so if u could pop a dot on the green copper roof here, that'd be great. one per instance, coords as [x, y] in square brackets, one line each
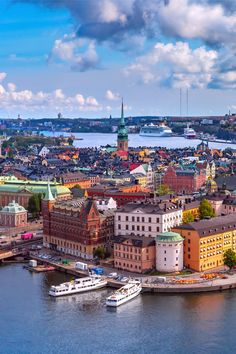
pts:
[169, 237]
[122, 130]
[48, 194]
[13, 207]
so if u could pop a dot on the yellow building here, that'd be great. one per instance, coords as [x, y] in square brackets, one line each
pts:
[205, 241]
[191, 210]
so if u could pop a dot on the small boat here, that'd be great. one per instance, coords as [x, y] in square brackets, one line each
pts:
[124, 294]
[79, 285]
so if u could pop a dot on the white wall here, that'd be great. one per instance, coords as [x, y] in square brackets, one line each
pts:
[169, 256]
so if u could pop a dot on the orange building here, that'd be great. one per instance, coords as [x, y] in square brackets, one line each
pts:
[71, 179]
[135, 254]
[205, 241]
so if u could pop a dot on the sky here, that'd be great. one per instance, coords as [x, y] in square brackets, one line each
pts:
[79, 57]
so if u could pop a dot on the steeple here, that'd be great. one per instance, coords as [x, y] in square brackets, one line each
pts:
[122, 138]
[48, 195]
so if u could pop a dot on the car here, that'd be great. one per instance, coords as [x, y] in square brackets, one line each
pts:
[112, 275]
[123, 279]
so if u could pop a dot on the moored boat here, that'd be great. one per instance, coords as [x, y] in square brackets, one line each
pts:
[93, 282]
[124, 294]
[155, 130]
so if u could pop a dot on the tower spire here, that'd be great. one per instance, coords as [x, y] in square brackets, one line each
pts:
[122, 119]
[48, 195]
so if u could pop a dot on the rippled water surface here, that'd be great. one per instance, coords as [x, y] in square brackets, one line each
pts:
[32, 322]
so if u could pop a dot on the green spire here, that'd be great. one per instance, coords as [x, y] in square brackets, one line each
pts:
[48, 195]
[122, 131]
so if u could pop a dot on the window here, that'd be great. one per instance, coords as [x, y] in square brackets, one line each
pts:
[143, 228]
[137, 227]
[119, 226]
[157, 220]
[149, 228]
[138, 219]
[189, 240]
[132, 218]
[158, 229]
[119, 218]
[127, 218]
[133, 228]
[143, 220]
[165, 252]
[165, 259]
[127, 227]
[149, 219]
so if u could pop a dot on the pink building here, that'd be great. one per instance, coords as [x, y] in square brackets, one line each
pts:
[13, 215]
[135, 254]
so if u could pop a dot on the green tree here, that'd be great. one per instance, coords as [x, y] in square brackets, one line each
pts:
[206, 210]
[188, 218]
[34, 204]
[70, 141]
[100, 252]
[163, 189]
[229, 258]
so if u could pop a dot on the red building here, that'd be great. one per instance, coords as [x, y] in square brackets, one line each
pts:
[184, 181]
[76, 226]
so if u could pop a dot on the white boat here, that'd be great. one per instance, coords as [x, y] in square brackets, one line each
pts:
[79, 285]
[189, 133]
[155, 130]
[124, 294]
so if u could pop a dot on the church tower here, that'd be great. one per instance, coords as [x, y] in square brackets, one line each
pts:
[47, 205]
[122, 137]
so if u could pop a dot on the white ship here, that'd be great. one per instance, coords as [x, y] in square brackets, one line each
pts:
[189, 133]
[124, 294]
[79, 285]
[155, 130]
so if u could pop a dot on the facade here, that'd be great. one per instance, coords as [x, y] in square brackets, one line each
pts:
[13, 215]
[122, 136]
[106, 204]
[184, 181]
[76, 178]
[12, 188]
[205, 241]
[169, 252]
[134, 254]
[146, 218]
[76, 227]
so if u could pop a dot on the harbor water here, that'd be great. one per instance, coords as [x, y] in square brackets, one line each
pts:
[32, 322]
[135, 140]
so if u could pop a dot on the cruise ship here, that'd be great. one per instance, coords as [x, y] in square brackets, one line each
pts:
[189, 133]
[155, 130]
[79, 285]
[124, 294]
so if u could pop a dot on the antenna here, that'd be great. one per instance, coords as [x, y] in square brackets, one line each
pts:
[187, 100]
[180, 102]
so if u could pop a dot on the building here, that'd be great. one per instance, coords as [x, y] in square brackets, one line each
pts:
[76, 226]
[146, 218]
[13, 215]
[12, 188]
[72, 179]
[184, 181]
[205, 241]
[122, 136]
[169, 252]
[134, 254]
[106, 204]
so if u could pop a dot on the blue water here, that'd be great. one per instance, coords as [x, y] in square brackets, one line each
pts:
[98, 139]
[31, 322]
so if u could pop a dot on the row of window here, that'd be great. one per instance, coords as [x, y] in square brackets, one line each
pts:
[129, 256]
[127, 265]
[129, 249]
[138, 228]
[148, 219]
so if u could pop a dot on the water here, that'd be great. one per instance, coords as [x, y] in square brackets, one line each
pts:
[98, 139]
[31, 322]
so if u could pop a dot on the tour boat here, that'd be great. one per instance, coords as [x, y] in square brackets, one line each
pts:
[124, 294]
[79, 285]
[155, 130]
[189, 133]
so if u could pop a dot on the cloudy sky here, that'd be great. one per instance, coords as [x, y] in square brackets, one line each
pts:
[79, 57]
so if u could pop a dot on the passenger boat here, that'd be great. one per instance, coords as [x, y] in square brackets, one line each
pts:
[189, 133]
[79, 285]
[155, 130]
[124, 294]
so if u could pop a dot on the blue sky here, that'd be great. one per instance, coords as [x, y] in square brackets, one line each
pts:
[80, 56]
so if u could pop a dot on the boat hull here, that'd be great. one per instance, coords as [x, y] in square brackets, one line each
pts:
[100, 285]
[155, 135]
[122, 301]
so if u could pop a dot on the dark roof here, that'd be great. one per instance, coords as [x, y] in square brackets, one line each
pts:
[136, 241]
[207, 227]
[150, 207]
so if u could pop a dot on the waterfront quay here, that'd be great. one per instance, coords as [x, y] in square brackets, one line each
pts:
[193, 283]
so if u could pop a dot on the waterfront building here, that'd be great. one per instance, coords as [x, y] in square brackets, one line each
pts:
[11, 188]
[184, 181]
[146, 219]
[169, 252]
[134, 254]
[205, 241]
[13, 215]
[122, 136]
[76, 226]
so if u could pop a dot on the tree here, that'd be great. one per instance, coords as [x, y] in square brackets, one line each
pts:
[188, 218]
[206, 210]
[34, 204]
[229, 258]
[100, 252]
[163, 189]
[70, 141]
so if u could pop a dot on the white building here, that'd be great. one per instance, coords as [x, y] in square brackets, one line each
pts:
[44, 151]
[146, 218]
[106, 204]
[145, 170]
[169, 252]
